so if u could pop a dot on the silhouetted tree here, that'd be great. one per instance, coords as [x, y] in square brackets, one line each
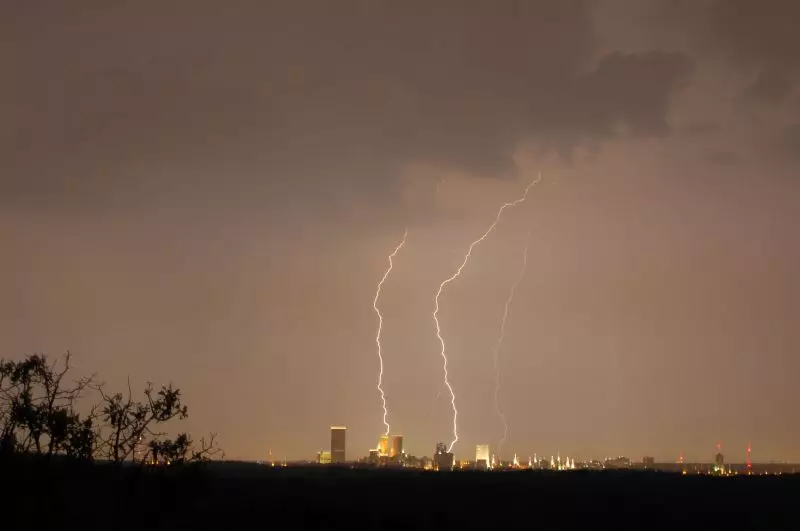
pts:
[38, 416]
[207, 450]
[183, 450]
[37, 409]
[130, 423]
[170, 451]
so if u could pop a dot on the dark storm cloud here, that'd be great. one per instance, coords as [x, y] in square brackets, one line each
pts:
[701, 128]
[116, 103]
[771, 86]
[788, 143]
[633, 90]
[721, 157]
[761, 33]
[759, 37]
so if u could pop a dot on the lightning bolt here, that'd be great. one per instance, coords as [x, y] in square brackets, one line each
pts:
[496, 351]
[450, 279]
[380, 326]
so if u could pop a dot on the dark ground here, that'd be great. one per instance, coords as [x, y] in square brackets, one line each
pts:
[231, 496]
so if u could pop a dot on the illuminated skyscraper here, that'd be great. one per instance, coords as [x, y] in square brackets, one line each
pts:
[397, 446]
[374, 459]
[442, 459]
[383, 445]
[482, 456]
[338, 435]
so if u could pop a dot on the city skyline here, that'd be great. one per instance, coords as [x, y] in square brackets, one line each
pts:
[207, 196]
[390, 447]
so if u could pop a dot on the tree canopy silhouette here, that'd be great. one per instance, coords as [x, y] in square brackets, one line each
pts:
[39, 415]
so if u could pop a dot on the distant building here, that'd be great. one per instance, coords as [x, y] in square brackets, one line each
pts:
[617, 462]
[482, 456]
[324, 458]
[719, 462]
[338, 436]
[442, 459]
[383, 445]
[397, 446]
[648, 462]
[374, 457]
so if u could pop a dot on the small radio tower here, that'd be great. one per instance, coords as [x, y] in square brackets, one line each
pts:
[749, 462]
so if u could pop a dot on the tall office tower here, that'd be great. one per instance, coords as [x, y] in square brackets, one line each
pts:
[338, 435]
[442, 459]
[383, 445]
[482, 456]
[397, 446]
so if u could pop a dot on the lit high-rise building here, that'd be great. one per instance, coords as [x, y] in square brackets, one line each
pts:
[374, 458]
[442, 459]
[383, 445]
[324, 458]
[397, 446]
[482, 456]
[338, 436]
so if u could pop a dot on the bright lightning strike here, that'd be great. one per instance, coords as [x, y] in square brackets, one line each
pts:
[380, 326]
[450, 279]
[496, 351]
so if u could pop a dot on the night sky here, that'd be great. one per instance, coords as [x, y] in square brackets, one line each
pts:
[206, 192]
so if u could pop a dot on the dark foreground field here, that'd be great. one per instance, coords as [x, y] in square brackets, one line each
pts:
[231, 496]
